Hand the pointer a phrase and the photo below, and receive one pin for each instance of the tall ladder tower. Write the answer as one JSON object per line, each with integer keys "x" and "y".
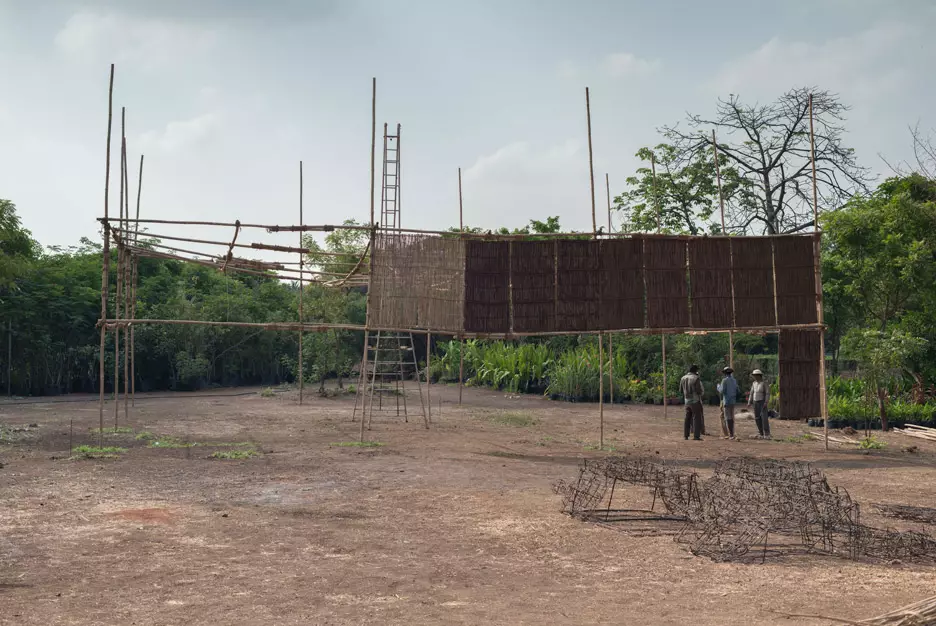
{"x": 391, "y": 358}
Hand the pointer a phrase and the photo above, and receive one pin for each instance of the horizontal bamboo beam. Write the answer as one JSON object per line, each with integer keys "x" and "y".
{"x": 461, "y": 235}
{"x": 286, "y": 326}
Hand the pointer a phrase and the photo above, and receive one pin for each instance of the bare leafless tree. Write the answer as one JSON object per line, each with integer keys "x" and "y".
{"x": 769, "y": 146}
{"x": 924, "y": 155}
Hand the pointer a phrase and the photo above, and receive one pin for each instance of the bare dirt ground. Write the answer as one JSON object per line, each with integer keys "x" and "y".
{"x": 456, "y": 525}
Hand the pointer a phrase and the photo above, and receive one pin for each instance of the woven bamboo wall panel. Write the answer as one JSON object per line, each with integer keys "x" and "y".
{"x": 533, "y": 286}
{"x": 417, "y": 282}
{"x": 621, "y": 284}
{"x": 578, "y": 304}
{"x": 487, "y": 286}
{"x": 667, "y": 289}
{"x": 752, "y": 273}
{"x": 799, "y": 354}
{"x": 710, "y": 282}
{"x": 794, "y": 256}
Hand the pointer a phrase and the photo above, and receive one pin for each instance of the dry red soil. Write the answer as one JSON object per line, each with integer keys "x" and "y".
{"x": 457, "y": 524}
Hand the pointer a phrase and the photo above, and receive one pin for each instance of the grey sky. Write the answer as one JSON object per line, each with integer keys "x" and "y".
{"x": 225, "y": 97}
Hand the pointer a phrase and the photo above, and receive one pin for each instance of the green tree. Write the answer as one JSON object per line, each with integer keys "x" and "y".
{"x": 880, "y": 255}
{"x": 17, "y": 247}
{"x": 683, "y": 195}
{"x": 882, "y": 358}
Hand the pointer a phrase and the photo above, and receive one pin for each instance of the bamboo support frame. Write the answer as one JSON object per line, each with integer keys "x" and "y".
{"x": 125, "y": 279}
{"x": 610, "y": 335}
{"x": 134, "y": 278}
{"x": 461, "y": 339}
{"x": 591, "y": 176}
{"x": 105, "y": 265}
{"x": 428, "y": 380}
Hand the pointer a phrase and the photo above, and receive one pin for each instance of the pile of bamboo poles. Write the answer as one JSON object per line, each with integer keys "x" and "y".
{"x": 920, "y": 432}
{"x": 922, "y": 613}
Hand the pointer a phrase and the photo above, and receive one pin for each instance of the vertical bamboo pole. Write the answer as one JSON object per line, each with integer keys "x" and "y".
{"x": 659, "y": 213}
{"x": 461, "y": 340}
{"x": 373, "y": 144}
{"x": 9, "y": 384}
{"x": 823, "y": 407}
{"x": 428, "y": 365}
{"x": 134, "y": 278}
{"x": 721, "y": 210}
{"x": 610, "y": 335}
{"x": 125, "y": 278}
{"x": 105, "y": 265}
{"x": 591, "y": 175}
{"x": 120, "y": 261}
{"x": 301, "y": 286}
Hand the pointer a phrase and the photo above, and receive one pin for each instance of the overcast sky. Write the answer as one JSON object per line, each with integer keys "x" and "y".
{"x": 225, "y": 97}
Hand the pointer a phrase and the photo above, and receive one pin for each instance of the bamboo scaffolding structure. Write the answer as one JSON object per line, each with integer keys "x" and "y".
{"x": 285, "y": 273}
{"x": 823, "y": 401}
{"x": 373, "y": 150}
{"x": 301, "y": 287}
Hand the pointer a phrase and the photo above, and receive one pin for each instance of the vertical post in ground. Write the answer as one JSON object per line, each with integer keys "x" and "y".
{"x": 461, "y": 340}
{"x": 610, "y": 335}
{"x": 721, "y": 210}
{"x": 133, "y": 281}
{"x": 9, "y": 384}
{"x": 301, "y": 285}
{"x": 105, "y": 265}
{"x": 659, "y": 213}
{"x": 428, "y": 367}
{"x": 823, "y": 406}
{"x": 591, "y": 176}
{"x": 120, "y": 259}
{"x": 125, "y": 279}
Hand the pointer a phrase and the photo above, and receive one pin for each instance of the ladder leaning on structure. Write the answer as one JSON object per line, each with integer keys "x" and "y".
{"x": 389, "y": 357}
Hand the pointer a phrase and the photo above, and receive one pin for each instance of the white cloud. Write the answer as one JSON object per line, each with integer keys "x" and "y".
{"x": 182, "y": 134}
{"x": 523, "y": 181}
{"x": 864, "y": 66}
{"x": 623, "y": 64}
{"x": 148, "y": 43}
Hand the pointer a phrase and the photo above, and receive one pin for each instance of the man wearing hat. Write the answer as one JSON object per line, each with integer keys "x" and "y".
{"x": 729, "y": 394}
{"x": 760, "y": 394}
{"x": 690, "y": 386}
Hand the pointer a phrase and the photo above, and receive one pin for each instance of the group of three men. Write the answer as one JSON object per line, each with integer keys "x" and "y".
{"x": 692, "y": 391}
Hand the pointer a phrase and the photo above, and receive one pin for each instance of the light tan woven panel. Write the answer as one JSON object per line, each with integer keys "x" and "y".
{"x": 417, "y": 282}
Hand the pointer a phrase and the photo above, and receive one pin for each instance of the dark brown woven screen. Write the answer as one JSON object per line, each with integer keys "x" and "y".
{"x": 579, "y": 303}
{"x": 799, "y": 374}
{"x": 667, "y": 291}
{"x": 487, "y": 286}
{"x": 533, "y": 285}
{"x": 752, "y": 272}
{"x": 710, "y": 282}
{"x": 622, "y": 284}
{"x": 794, "y": 256}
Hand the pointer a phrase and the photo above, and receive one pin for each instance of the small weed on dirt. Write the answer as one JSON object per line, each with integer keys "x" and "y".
{"x": 172, "y": 443}
{"x": 595, "y": 446}
{"x": 121, "y": 430}
{"x": 94, "y": 452}
{"x": 230, "y": 455}
{"x": 357, "y": 444}
{"x": 145, "y": 436}
{"x": 267, "y": 393}
{"x": 871, "y": 443}
{"x": 800, "y": 438}
{"x": 513, "y": 418}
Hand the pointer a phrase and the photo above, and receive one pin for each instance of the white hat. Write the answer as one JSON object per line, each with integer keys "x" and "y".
{"x": 757, "y": 373}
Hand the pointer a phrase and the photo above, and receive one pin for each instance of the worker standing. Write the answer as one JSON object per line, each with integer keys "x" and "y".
{"x": 690, "y": 386}
{"x": 728, "y": 389}
{"x": 759, "y": 397}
